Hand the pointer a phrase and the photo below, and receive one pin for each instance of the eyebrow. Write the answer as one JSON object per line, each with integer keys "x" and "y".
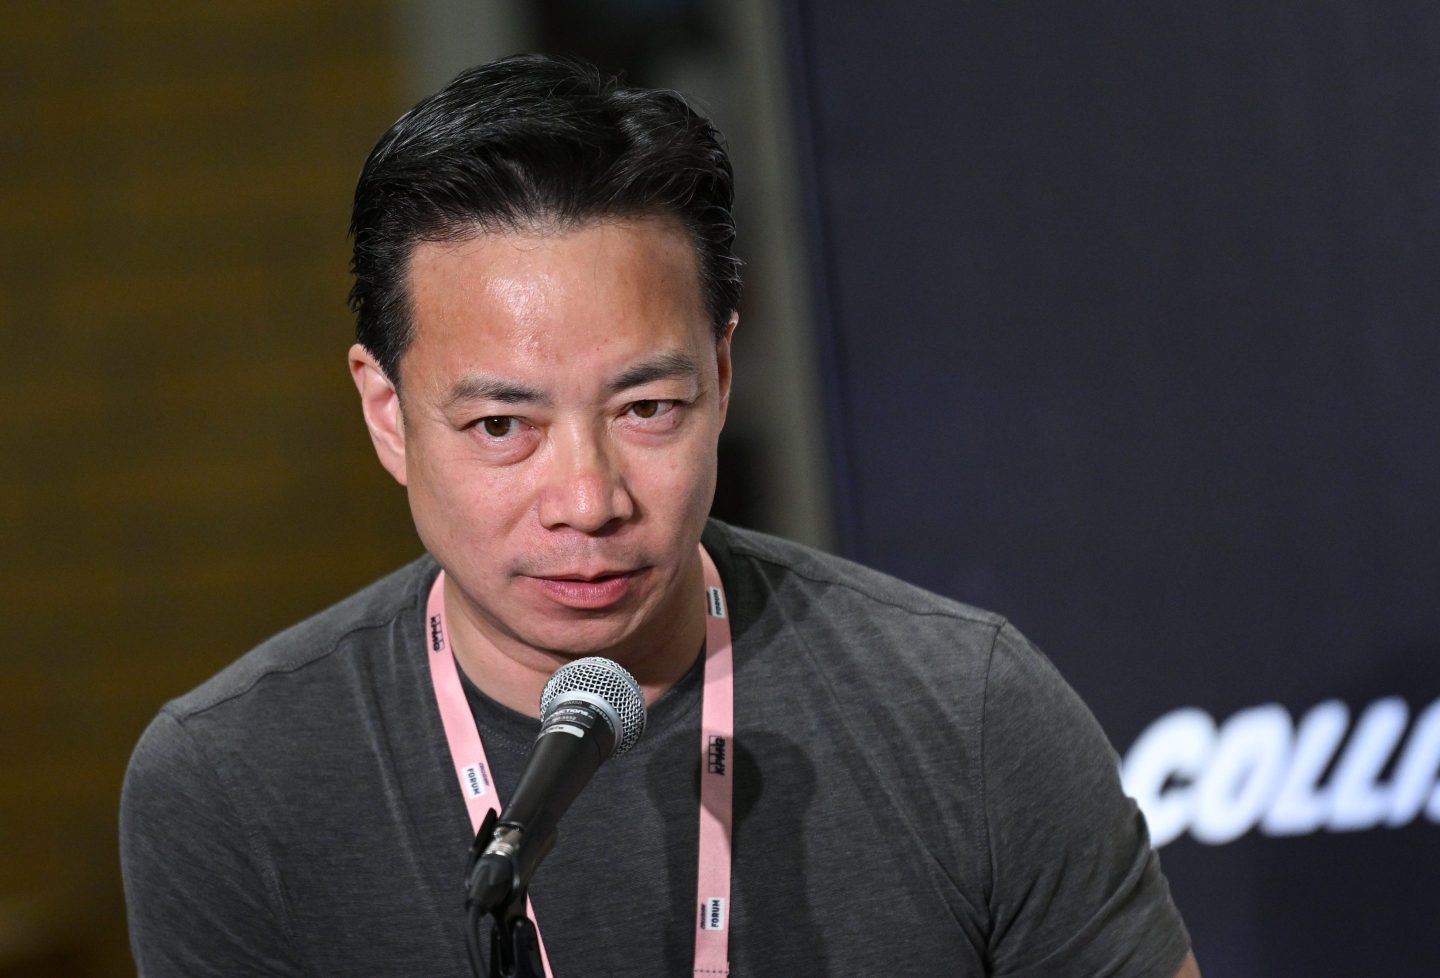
{"x": 478, "y": 387}
{"x": 481, "y": 387}
{"x": 661, "y": 366}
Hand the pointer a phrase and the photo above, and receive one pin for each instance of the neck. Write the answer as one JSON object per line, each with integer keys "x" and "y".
{"x": 514, "y": 674}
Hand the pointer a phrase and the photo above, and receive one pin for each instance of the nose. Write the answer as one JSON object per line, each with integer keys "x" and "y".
{"x": 584, "y": 486}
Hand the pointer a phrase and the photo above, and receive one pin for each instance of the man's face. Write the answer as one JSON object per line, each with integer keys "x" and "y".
{"x": 563, "y": 396}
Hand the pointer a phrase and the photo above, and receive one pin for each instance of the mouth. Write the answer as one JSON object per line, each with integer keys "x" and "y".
{"x": 582, "y": 578}
{"x": 588, "y": 590}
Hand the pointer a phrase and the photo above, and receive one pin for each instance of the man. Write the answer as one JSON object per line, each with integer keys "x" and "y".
{"x": 546, "y": 294}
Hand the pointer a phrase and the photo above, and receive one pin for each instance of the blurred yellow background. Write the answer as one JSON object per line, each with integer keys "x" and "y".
{"x": 183, "y": 468}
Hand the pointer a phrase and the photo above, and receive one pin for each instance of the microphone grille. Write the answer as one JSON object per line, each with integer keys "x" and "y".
{"x": 608, "y": 681}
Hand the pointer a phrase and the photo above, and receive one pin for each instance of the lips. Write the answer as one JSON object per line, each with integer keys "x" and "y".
{"x": 588, "y": 591}
{"x": 582, "y": 578}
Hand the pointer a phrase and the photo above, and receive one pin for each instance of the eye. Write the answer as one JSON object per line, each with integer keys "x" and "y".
{"x": 645, "y": 410}
{"x": 499, "y": 426}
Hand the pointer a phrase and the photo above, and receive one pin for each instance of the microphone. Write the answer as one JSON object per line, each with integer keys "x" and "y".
{"x": 591, "y": 710}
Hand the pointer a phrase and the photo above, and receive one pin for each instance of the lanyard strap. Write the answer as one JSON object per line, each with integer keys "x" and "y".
{"x": 467, "y": 752}
{"x": 717, "y": 746}
{"x": 717, "y": 749}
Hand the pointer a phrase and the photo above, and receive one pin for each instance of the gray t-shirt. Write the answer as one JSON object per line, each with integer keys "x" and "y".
{"x": 917, "y": 792}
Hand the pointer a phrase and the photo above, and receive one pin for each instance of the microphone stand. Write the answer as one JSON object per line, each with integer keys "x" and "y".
{"x": 514, "y": 944}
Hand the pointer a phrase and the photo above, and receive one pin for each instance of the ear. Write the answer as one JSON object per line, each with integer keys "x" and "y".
{"x": 722, "y": 363}
{"x": 380, "y": 403}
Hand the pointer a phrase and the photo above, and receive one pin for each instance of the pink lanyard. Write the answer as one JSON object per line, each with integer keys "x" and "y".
{"x": 717, "y": 750}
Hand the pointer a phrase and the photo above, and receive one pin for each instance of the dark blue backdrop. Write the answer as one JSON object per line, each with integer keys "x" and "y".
{"x": 1128, "y": 317}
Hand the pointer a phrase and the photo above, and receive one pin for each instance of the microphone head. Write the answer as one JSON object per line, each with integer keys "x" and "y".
{"x": 606, "y": 685}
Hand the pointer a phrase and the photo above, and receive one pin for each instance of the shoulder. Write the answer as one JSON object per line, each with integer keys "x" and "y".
{"x": 773, "y": 582}
{"x": 877, "y": 647}
{"x": 299, "y": 695}
{"x": 262, "y": 727}
{"x": 358, "y": 626}
{"x": 259, "y": 761}
{"x": 990, "y": 756}
{"x": 758, "y": 559}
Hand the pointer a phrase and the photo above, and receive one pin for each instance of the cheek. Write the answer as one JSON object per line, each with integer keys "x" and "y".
{"x": 461, "y": 500}
{"x": 493, "y": 501}
{"x": 682, "y": 484}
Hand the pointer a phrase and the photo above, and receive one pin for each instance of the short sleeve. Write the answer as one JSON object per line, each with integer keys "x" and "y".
{"x": 1077, "y": 888}
{"x": 198, "y": 905}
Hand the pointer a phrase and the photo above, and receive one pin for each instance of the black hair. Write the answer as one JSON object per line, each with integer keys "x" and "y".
{"x": 530, "y": 142}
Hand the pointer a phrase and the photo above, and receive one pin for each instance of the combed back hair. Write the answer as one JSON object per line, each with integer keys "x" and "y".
{"x": 528, "y": 143}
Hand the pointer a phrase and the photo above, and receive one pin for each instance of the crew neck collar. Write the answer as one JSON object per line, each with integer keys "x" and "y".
{"x": 514, "y": 732}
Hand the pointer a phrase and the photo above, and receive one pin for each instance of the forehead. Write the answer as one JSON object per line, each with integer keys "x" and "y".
{"x": 515, "y": 298}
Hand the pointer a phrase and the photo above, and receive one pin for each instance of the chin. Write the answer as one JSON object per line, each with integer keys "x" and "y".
{"x": 576, "y": 641}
